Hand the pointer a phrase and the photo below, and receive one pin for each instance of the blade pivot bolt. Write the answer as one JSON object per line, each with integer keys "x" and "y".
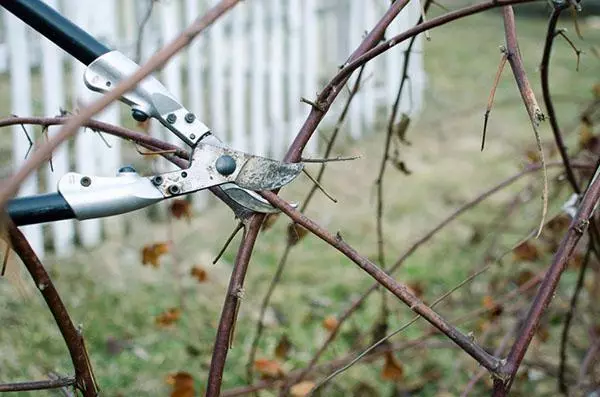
{"x": 138, "y": 115}
{"x": 173, "y": 189}
{"x": 171, "y": 118}
{"x": 189, "y": 118}
{"x": 157, "y": 180}
{"x": 225, "y": 165}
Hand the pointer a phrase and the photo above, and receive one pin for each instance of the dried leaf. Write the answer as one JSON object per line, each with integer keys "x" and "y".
{"x": 526, "y": 252}
{"x": 182, "y": 383}
{"x": 416, "y": 288}
{"x": 302, "y": 389}
{"x": 168, "y": 318}
{"x": 575, "y": 261}
{"x": 401, "y": 128}
{"x": 268, "y": 368}
{"x": 199, "y": 273}
{"x": 330, "y": 323}
{"x": 523, "y": 277}
{"x": 392, "y": 368}
{"x": 152, "y": 253}
{"x": 282, "y": 350}
{"x": 494, "y": 309}
{"x": 587, "y": 140}
{"x": 270, "y": 221}
{"x": 181, "y": 208}
{"x": 296, "y": 233}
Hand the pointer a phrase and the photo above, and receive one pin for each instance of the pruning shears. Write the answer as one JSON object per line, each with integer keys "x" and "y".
{"x": 232, "y": 175}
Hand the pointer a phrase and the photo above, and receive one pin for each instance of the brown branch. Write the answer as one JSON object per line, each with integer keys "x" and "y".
{"x": 398, "y": 289}
{"x": 121, "y": 132}
{"x": 283, "y": 260}
{"x": 513, "y": 54}
{"x": 546, "y": 291}
{"x": 230, "y": 307}
{"x": 10, "y": 186}
{"x": 84, "y": 376}
{"x": 37, "y": 385}
{"x": 354, "y": 306}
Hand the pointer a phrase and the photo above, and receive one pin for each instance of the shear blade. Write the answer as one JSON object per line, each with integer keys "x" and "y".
{"x": 259, "y": 173}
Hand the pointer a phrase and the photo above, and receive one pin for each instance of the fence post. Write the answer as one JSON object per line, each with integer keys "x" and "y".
{"x": 310, "y": 39}
{"x": 63, "y": 232}
{"x": 293, "y": 83}
{"x": 217, "y": 77}
{"x": 21, "y": 105}
{"x": 195, "y": 75}
{"x": 276, "y": 79}
{"x": 86, "y": 140}
{"x": 239, "y": 65}
{"x": 354, "y": 36}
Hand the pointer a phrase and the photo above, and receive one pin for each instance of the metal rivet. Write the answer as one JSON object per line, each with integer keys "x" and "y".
{"x": 108, "y": 84}
{"x": 85, "y": 181}
{"x": 190, "y": 117}
{"x": 138, "y": 115}
{"x": 184, "y": 174}
{"x": 157, "y": 180}
{"x": 192, "y": 136}
{"x": 225, "y": 165}
{"x": 171, "y": 118}
{"x": 173, "y": 189}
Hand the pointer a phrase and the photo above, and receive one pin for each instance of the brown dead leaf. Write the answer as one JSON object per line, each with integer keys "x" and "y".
{"x": 168, "y": 318}
{"x": 268, "y": 368}
{"x": 494, "y": 309}
{"x": 526, "y": 252}
{"x": 181, "y": 208}
{"x": 295, "y": 233}
{"x": 392, "y": 368}
{"x": 199, "y": 273}
{"x": 416, "y": 288}
{"x": 523, "y": 277}
{"x": 302, "y": 389}
{"x": 182, "y": 384}
{"x": 282, "y": 350}
{"x": 270, "y": 221}
{"x": 330, "y": 323}
{"x": 152, "y": 253}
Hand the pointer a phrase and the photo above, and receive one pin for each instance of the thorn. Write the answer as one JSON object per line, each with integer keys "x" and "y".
{"x": 28, "y": 138}
{"x": 45, "y": 133}
{"x": 319, "y": 185}
{"x": 328, "y": 160}
{"x": 5, "y": 260}
{"x": 490, "y": 103}
{"x": 313, "y": 104}
{"x": 239, "y": 226}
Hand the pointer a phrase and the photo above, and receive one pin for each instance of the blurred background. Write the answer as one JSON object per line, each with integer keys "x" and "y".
{"x": 244, "y": 78}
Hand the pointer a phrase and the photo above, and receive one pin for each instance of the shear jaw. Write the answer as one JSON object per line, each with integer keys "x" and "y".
{"x": 150, "y": 98}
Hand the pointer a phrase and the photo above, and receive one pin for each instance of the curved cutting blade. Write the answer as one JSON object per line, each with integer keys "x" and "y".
{"x": 259, "y": 173}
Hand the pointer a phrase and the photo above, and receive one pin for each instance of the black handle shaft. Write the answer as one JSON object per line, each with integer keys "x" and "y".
{"x": 39, "y": 209}
{"x": 57, "y": 28}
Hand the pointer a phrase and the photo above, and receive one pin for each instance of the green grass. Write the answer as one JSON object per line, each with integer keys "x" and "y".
{"x": 114, "y": 297}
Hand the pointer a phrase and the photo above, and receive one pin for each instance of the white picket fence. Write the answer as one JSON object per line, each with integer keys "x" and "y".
{"x": 243, "y": 78}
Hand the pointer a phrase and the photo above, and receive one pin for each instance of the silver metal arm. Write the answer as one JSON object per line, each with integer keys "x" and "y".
{"x": 148, "y": 99}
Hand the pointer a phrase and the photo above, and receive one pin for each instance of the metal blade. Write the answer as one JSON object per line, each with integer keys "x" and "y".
{"x": 259, "y": 173}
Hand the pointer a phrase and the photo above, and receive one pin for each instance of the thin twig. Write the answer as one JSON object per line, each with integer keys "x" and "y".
{"x": 235, "y": 231}
{"x": 318, "y": 185}
{"x": 328, "y": 160}
{"x": 562, "y": 383}
{"x": 490, "y": 102}
{"x": 37, "y": 385}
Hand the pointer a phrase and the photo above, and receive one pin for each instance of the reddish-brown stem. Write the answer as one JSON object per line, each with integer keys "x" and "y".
{"x": 85, "y": 381}
{"x": 235, "y": 293}
{"x": 37, "y": 385}
{"x": 396, "y": 288}
{"x": 545, "y": 293}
